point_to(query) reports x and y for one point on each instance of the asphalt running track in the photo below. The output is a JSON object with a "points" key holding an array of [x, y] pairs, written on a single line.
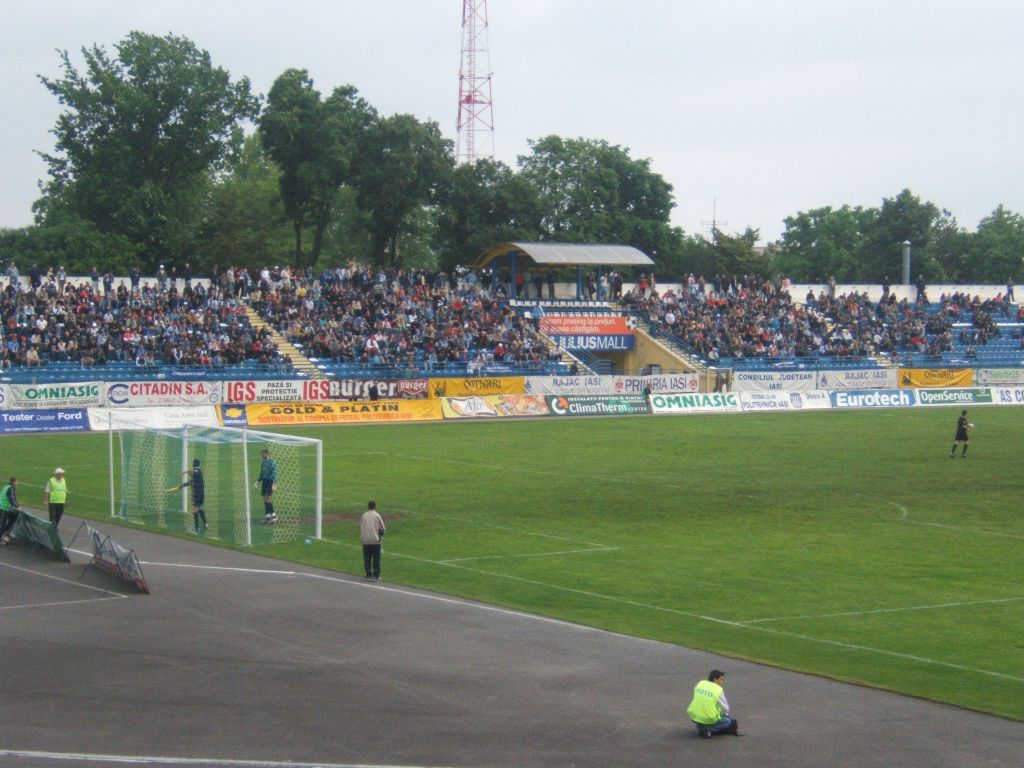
{"points": [[240, 661]]}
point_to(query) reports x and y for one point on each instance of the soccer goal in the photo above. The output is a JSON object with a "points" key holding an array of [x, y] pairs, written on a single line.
{"points": [[148, 469]]}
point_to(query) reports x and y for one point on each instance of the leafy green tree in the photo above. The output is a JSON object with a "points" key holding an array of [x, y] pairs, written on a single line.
{"points": [[592, 191], [402, 166], [486, 203], [314, 142], [245, 223], [822, 242], [997, 248], [900, 218], [738, 254], [140, 134]]}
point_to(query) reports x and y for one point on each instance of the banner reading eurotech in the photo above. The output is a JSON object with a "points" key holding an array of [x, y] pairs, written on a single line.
{"points": [[78, 395], [582, 405], [954, 396], [133, 394], [874, 398], [936, 377], [495, 385], [716, 402], [340, 412], [65, 420], [595, 333]]}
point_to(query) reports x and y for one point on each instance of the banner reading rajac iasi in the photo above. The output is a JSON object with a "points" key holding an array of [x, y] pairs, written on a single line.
{"points": [[71, 395]]}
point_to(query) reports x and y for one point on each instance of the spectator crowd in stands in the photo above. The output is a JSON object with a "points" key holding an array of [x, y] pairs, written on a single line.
{"points": [[754, 317], [53, 320], [406, 319], [417, 320]]}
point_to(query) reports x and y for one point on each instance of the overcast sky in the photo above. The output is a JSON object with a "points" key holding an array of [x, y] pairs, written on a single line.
{"points": [[769, 107]]}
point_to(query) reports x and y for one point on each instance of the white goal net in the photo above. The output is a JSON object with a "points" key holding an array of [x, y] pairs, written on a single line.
{"points": [[149, 469]]}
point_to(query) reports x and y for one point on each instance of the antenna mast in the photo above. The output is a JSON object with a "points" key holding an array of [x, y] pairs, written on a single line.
{"points": [[476, 111], [714, 221]]}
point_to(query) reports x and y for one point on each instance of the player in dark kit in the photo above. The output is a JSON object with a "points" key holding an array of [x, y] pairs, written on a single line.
{"points": [[267, 483], [962, 427], [198, 485]]}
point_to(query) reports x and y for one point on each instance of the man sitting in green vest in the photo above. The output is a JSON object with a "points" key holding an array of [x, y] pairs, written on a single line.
{"points": [[55, 494], [709, 709], [8, 511]]}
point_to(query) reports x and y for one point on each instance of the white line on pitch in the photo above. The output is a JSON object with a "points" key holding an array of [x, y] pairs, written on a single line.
{"points": [[200, 761], [533, 554], [58, 578], [886, 610], [62, 602], [737, 624]]}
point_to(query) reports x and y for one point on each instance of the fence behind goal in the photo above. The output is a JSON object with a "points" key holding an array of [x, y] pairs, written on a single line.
{"points": [[148, 467]]}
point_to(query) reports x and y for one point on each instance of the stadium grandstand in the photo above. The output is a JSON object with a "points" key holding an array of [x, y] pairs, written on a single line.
{"points": [[358, 322]]}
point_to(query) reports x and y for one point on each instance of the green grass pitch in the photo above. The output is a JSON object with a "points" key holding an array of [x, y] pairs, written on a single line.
{"points": [[846, 544]]}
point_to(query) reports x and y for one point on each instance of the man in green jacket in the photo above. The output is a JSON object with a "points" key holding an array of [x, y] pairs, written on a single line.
{"points": [[8, 510], [709, 709]]}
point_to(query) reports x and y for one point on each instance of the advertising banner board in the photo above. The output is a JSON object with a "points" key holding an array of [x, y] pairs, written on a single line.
{"points": [[586, 405], [133, 394], [715, 402], [120, 561], [858, 378], [815, 399], [335, 412], [65, 420], [954, 396], [761, 381], [41, 533], [936, 377], [496, 385], [874, 398], [569, 385], [78, 395], [1008, 395], [169, 417], [999, 377], [492, 406], [596, 333], [304, 390], [669, 383]]}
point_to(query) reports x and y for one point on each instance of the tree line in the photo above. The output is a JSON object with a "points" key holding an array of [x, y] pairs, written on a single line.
{"points": [[161, 157]]}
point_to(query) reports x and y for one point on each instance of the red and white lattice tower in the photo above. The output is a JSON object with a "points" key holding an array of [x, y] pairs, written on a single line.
{"points": [[476, 108]]}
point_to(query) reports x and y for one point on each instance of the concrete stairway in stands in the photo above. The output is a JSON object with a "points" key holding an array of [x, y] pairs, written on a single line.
{"points": [[301, 363]]}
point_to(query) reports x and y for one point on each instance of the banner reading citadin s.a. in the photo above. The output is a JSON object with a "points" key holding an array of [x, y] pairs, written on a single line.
{"points": [[714, 402]]}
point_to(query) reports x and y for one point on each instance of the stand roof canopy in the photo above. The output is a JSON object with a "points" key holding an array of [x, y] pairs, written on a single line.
{"points": [[567, 254]]}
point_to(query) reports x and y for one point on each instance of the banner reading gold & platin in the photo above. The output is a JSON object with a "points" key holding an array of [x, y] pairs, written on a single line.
{"points": [[342, 412]]}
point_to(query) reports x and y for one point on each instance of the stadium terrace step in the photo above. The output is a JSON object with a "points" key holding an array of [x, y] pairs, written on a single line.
{"points": [[300, 362]]}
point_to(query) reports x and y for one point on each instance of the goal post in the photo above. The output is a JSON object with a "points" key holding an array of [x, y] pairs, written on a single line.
{"points": [[148, 467]]}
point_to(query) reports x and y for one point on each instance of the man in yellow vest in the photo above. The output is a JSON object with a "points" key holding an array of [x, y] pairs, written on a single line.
{"points": [[709, 709], [55, 494]]}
